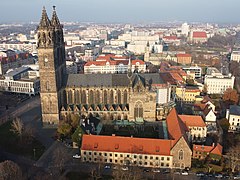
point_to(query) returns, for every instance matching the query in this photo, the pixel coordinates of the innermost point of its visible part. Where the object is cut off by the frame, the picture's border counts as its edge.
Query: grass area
(10, 142)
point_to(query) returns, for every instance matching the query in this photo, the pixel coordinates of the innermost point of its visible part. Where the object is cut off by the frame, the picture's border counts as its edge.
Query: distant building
(216, 82)
(201, 151)
(172, 40)
(197, 70)
(187, 94)
(235, 56)
(198, 37)
(233, 117)
(10, 59)
(184, 58)
(21, 46)
(21, 80)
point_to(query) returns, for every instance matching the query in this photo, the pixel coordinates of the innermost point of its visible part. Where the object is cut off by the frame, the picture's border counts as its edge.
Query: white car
(77, 156)
(185, 173)
(124, 168)
(156, 170)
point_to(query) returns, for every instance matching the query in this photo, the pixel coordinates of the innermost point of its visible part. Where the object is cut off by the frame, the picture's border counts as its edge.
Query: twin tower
(52, 67)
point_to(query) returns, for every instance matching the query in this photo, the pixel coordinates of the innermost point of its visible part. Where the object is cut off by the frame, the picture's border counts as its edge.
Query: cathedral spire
(44, 22)
(55, 21)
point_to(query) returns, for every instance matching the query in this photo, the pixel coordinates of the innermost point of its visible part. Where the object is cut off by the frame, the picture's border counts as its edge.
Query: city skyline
(127, 11)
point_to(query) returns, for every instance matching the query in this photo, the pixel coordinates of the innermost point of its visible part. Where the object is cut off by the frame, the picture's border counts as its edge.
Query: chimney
(113, 135)
(213, 144)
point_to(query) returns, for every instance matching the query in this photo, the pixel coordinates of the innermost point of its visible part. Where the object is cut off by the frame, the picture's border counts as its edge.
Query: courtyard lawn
(11, 143)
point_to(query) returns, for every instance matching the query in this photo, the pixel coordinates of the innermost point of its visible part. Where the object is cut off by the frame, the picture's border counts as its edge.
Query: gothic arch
(105, 97)
(119, 97)
(91, 97)
(97, 98)
(111, 97)
(125, 97)
(138, 110)
(70, 97)
(77, 97)
(83, 97)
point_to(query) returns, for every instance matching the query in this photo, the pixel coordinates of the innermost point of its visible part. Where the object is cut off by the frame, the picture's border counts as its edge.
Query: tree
(233, 156)
(17, 127)
(60, 158)
(77, 136)
(74, 120)
(224, 123)
(64, 129)
(230, 95)
(10, 171)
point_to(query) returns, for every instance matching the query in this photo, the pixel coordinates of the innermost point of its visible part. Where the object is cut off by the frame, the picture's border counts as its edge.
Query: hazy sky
(220, 11)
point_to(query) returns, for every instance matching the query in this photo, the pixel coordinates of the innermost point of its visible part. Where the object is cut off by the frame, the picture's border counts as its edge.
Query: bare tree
(233, 156)
(10, 171)
(17, 127)
(60, 158)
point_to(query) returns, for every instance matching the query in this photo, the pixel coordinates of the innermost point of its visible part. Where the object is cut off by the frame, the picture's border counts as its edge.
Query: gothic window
(43, 38)
(111, 98)
(97, 99)
(105, 97)
(70, 98)
(77, 97)
(47, 86)
(119, 96)
(138, 110)
(125, 97)
(91, 97)
(180, 154)
(83, 97)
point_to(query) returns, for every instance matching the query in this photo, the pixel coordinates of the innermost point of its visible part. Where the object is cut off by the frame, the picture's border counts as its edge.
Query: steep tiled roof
(209, 149)
(113, 62)
(217, 150)
(126, 144)
(176, 128)
(192, 121)
(109, 80)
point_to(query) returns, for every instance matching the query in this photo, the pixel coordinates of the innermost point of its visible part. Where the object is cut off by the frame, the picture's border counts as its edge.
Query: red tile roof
(209, 149)
(126, 144)
(199, 34)
(217, 150)
(170, 38)
(176, 128)
(113, 62)
(192, 121)
(183, 55)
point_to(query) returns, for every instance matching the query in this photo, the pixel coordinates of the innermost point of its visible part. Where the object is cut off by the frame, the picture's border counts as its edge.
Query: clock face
(46, 59)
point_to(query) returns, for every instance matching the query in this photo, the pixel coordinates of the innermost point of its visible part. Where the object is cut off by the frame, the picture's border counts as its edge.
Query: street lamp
(34, 152)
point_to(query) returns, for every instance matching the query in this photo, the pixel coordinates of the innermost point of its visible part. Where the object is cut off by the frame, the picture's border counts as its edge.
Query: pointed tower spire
(55, 21)
(44, 22)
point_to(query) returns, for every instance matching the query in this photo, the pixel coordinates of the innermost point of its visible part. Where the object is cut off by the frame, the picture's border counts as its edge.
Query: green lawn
(10, 142)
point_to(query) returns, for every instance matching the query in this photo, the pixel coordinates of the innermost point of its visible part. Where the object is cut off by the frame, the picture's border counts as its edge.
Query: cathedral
(130, 96)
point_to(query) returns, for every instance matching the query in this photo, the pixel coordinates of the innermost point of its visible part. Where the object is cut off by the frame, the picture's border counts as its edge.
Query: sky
(125, 11)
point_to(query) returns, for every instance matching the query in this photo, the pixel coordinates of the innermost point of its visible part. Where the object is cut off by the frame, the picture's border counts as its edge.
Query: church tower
(52, 67)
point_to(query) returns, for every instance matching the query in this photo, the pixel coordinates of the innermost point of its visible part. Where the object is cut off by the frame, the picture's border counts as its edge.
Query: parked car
(200, 174)
(218, 175)
(185, 173)
(236, 176)
(77, 156)
(125, 168)
(145, 170)
(156, 170)
(107, 167)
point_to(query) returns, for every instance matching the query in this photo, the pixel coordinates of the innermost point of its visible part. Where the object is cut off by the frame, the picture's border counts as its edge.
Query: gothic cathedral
(52, 66)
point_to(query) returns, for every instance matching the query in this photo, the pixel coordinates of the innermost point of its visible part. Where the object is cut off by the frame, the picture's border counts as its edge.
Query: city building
(114, 66)
(233, 117)
(198, 37)
(187, 94)
(235, 56)
(10, 59)
(30, 47)
(196, 126)
(196, 69)
(21, 80)
(201, 151)
(216, 82)
(184, 58)
(144, 152)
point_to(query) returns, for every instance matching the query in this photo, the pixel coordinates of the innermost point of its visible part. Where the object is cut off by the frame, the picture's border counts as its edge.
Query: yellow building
(187, 94)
